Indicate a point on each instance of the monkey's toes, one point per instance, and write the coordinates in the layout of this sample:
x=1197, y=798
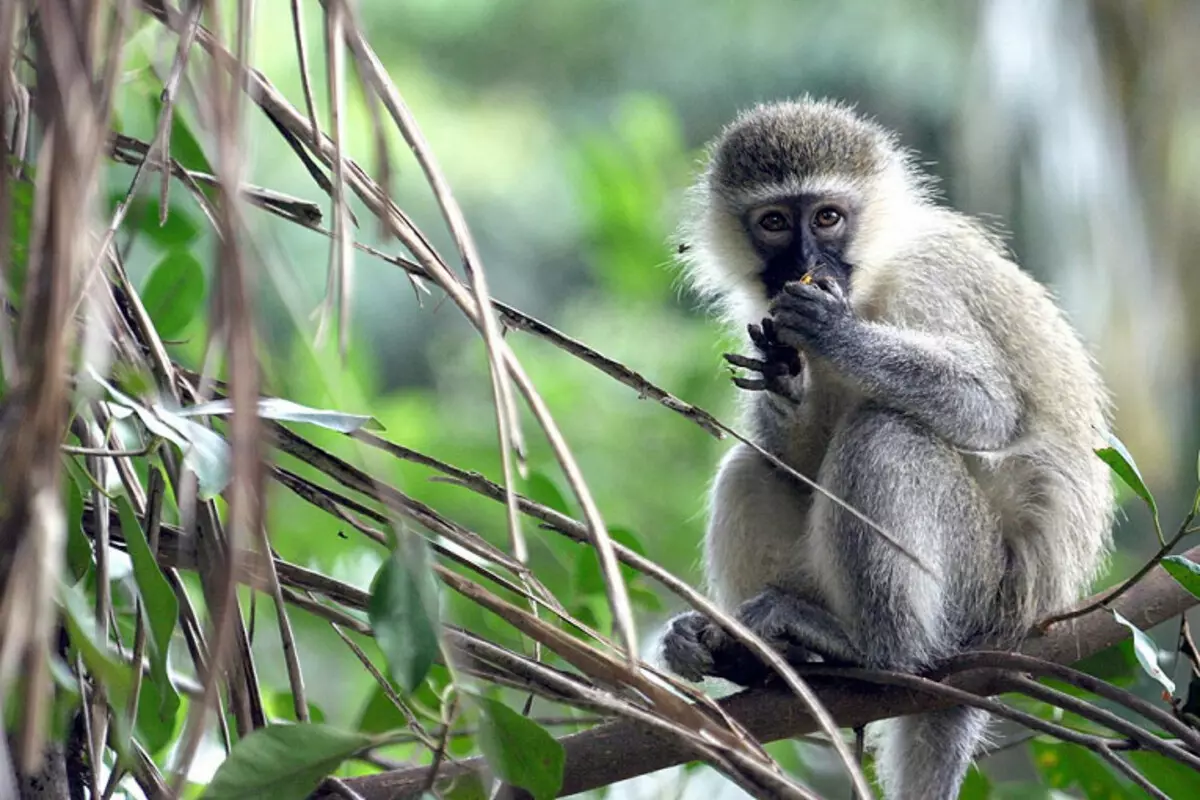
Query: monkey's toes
x=684, y=652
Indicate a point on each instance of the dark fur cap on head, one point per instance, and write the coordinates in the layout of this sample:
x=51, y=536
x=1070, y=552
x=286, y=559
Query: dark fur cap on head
x=791, y=141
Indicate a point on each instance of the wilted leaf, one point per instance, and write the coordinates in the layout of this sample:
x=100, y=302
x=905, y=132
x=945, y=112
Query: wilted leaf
x=174, y=293
x=404, y=612
x=283, y=761
x=286, y=411
x=1119, y=459
x=520, y=751
x=159, y=604
x=1185, y=571
x=1147, y=654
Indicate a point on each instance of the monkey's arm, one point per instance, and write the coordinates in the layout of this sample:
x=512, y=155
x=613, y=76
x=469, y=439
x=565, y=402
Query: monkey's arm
x=951, y=382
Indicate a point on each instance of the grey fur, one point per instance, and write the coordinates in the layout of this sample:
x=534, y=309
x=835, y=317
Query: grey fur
x=946, y=397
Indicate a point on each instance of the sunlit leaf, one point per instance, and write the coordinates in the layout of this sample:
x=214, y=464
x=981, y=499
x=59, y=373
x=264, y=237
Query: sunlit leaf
x=286, y=411
x=281, y=706
x=283, y=761
x=1147, y=654
x=404, y=612
x=174, y=293
x=160, y=606
x=519, y=750
x=1121, y=462
x=1184, y=570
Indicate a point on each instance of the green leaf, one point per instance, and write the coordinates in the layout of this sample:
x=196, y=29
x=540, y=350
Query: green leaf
x=541, y=489
x=286, y=411
x=589, y=579
x=1066, y=765
x=102, y=665
x=1147, y=654
x=468, y=787
x=174, y=293
x=380, y=714
x=156, y=727
x=179, y=230
x=1175, y=779
x=20, y=215
x=283, y=761
x=159, y=604
x=404, y=612
x=79, y=547
x=520, y=751
x=204, y=451
x=1185, y=571
x=1121, y=462
x=976, y=786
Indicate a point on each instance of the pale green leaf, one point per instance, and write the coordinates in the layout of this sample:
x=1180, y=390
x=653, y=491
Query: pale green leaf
x=286, y=411
x=1147, y=654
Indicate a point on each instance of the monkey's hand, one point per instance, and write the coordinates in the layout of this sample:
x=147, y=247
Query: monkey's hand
x=812, y=317
x=780, y=365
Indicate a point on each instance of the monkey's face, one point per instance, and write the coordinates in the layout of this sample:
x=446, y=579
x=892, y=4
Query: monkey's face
x=802, y=235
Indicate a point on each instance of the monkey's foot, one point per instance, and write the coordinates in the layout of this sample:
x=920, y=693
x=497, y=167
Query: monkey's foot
x=695, y=647
x=798, y=628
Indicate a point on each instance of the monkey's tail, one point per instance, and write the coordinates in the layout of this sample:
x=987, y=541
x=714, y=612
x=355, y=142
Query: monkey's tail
x=926, y=756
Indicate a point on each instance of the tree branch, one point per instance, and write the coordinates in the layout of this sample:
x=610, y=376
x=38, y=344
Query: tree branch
x=621, y=750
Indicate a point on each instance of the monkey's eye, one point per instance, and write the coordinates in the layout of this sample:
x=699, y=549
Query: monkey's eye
x=827, y=217
x=774, y=222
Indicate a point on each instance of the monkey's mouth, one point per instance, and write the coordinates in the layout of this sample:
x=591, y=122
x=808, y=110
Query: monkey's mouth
x=782, y=271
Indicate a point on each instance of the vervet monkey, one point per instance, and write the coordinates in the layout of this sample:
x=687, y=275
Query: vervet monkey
x=909, y=367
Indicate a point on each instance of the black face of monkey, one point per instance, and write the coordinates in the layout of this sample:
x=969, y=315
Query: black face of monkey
x=799, y=236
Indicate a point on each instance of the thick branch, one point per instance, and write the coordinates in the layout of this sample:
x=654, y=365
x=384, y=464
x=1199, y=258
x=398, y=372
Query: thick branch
x=621, y=750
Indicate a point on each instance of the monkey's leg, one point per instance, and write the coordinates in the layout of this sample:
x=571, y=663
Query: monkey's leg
x=918, y=489
x=753, y=541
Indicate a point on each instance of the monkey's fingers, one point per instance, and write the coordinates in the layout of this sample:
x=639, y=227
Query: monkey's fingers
x=758, y=335
x=750, y=384
x=754, y=364
x=832, y=286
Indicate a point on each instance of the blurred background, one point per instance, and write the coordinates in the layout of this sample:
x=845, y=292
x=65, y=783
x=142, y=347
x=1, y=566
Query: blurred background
x=569, y=130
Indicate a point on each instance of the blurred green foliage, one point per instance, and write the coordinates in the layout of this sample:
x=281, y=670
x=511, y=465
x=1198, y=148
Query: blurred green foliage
x=569, y=135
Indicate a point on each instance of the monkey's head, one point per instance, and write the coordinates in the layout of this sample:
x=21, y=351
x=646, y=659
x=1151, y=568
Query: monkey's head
x=796, y=188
